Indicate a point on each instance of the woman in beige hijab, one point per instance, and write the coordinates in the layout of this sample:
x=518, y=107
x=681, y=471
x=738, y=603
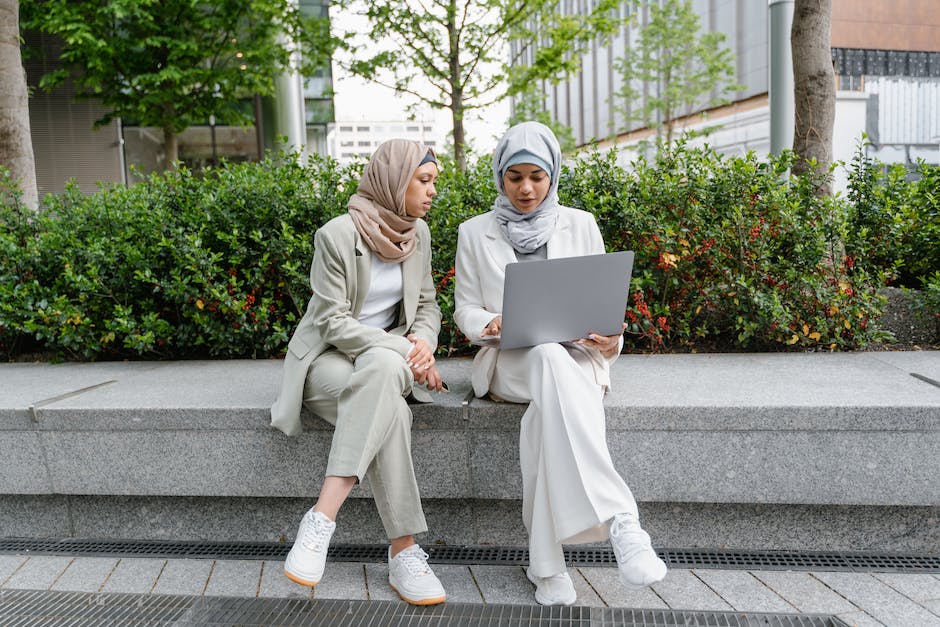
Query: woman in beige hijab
x=365, y=343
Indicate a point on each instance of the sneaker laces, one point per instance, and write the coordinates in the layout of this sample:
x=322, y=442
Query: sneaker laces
x=316, y=535
x=632, y=536
x=415, y=560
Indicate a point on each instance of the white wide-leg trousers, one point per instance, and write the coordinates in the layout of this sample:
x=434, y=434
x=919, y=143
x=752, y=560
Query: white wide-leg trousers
x=570, y=488
x=365, y=400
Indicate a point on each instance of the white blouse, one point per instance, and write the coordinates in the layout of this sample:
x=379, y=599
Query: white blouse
x=380, y=308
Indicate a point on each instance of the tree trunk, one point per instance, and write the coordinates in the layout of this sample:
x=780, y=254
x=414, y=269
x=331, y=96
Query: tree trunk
x=456, y=84
x=16, y=145
x=813, y=86
x=460, y=151
x=171, y=147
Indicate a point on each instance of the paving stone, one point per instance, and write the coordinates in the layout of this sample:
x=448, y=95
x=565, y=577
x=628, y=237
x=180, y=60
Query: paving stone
x=135, y=575
x=38, y=573
x=918, y=587
x=187, y=577
x=606, y=582
x=879, y=600
x=504, y=584
x=682, y=590
x=459, y=583
x=587, y=595
x=377, y=583
x=806, y=593
x=8, y=565
x=86, y=574
x=235, y=578
x=342, y=580
x=742, y=591
x=275, y=584
x=861, y=619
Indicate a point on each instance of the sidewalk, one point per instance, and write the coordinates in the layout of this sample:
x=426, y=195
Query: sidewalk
x=862, y=599
x=721, y=451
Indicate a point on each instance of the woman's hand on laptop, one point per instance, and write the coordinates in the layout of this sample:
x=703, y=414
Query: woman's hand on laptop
x=493, y=328
x=608, y=345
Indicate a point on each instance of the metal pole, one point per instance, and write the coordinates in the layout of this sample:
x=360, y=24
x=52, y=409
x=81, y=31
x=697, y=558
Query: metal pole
x=215, y=154
x=259, y=127
x=780, y=87
x=290, y=120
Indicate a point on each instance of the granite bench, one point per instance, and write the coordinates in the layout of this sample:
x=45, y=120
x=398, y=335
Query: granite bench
x=809, y=451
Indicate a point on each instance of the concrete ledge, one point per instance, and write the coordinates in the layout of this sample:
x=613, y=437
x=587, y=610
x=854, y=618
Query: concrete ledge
x=784, y=432
x=471, y=522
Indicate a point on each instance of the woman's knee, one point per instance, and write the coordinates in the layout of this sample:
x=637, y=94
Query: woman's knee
x=549, y=353
x=382, y=364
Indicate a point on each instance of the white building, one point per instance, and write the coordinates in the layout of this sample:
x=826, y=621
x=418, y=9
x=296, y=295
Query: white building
x=348, y=141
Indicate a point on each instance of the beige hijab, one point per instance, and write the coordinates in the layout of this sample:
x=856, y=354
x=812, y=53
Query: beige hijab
x=378, y=206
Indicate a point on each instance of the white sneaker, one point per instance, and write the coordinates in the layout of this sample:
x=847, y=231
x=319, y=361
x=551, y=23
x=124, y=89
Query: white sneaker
x=410, y=576
x=307, y=558
x=553, y=590
x=638, y=562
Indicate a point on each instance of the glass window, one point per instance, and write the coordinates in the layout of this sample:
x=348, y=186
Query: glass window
x=318, y=111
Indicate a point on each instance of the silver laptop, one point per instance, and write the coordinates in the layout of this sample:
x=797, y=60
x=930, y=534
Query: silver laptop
x=556, y=300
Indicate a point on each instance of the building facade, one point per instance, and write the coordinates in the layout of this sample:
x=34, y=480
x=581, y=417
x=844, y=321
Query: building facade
x=353, y=140
x=886, y=56
x=67, y=146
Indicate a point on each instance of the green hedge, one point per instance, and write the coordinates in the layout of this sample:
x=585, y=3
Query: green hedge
x=173, y=267
x=729, y=253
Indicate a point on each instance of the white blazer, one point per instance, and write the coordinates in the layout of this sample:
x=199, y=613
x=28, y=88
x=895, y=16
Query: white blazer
x=482, y=254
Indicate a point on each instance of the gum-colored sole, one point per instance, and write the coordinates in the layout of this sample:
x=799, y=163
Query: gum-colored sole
x=300, y=581
x=431, y=601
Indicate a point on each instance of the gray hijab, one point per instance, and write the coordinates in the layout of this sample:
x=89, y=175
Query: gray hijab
x=527, y=231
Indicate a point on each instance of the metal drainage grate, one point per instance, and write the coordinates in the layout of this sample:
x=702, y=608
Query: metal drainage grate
x=801, y=560
x=493, y=555
x=27, y=607
x=145, y=548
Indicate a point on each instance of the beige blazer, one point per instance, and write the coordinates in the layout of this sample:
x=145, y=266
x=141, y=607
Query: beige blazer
x=482, y=254
x=339, y=278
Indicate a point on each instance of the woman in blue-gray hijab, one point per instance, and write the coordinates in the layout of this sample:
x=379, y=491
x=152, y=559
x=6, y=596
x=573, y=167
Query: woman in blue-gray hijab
x=571, y=492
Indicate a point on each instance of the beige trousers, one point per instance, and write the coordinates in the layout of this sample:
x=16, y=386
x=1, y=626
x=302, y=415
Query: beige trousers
x=570, y=488
x=365, y=400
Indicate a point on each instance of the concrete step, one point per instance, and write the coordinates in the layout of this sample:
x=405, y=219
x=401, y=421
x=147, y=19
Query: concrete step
x=822, y=451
